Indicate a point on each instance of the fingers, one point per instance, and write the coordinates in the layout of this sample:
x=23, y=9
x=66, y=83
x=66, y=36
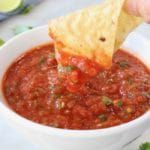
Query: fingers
x=139, y=8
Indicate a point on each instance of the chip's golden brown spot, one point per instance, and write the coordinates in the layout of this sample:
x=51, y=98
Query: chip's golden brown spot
x=103, y=39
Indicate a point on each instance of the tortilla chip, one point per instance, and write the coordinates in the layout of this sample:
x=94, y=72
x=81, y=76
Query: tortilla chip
x=125, y=25
x=94, y=32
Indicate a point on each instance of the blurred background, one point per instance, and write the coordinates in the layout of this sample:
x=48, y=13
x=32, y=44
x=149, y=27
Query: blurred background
x=17, y=16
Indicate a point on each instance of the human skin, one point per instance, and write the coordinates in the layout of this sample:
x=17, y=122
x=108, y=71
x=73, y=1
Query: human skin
x=139, y=8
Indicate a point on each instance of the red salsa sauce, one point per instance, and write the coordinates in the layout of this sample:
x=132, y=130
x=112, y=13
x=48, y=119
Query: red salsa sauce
x=77, y=94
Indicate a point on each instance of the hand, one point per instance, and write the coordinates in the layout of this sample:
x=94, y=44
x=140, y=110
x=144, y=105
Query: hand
x=139, y=8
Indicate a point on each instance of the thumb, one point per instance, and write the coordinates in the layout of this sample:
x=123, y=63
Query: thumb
x=139, y=8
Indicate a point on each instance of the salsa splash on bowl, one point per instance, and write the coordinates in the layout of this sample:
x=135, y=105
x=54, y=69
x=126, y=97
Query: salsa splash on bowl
x=39, y=89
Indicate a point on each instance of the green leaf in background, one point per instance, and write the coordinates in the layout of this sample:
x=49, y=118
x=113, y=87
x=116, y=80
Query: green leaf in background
x=145, y=146
x=1, y=42
x=19, y=29
x=27, y=9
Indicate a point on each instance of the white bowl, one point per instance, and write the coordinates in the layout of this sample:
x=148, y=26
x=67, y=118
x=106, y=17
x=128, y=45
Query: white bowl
x=61, y=139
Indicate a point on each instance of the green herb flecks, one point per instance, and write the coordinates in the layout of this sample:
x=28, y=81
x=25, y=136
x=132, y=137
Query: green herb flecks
x=146, y=95
x=107, y=101
x=27, y=9
x=21, y=28
x=130, y=81
x=65, y=69
x=1, y=42
x=123, y=64
x=102, y=117
x=120, y=103
x=42, y=60
x=145, y=146
x=51, y=55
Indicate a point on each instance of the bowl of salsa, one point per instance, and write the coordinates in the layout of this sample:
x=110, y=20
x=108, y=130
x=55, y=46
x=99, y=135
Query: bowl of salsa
x=76, y=105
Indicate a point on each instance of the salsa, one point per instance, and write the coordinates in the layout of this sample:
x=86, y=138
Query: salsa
x=78, y=94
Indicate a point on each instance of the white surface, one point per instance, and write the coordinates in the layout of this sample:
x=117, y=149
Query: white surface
x=10, y=139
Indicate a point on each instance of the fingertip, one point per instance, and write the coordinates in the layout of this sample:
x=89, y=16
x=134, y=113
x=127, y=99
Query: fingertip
x=130, y=6
x=144, y=9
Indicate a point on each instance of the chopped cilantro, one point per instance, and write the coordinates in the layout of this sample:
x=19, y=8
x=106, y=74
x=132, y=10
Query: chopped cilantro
x=1, y=42
x=123, y=64
x=120, y=103
x=27, y=9
x=146, y=95
x=106, y=100
x=130, y=81
x=52, y=55
x=65, y=69
x=145, y=146
x=42, y=60
x=102, y=117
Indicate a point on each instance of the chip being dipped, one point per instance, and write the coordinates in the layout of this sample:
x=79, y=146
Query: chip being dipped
x=94, y=32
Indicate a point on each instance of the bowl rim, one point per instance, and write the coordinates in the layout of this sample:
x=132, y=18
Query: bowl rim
x=66, y=132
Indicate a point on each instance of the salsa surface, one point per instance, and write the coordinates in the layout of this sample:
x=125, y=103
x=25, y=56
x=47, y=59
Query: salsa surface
x=77, y=94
